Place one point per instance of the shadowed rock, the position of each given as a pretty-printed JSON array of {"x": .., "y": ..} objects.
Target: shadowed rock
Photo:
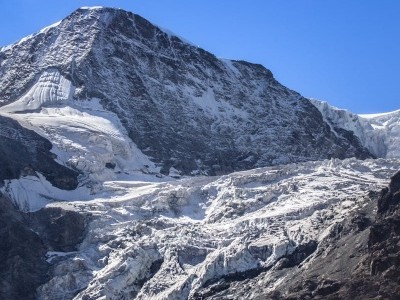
[{"x": 25, "y": 239}]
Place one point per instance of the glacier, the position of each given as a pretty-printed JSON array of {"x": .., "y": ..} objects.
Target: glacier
[{"x": 171, "y": 240}]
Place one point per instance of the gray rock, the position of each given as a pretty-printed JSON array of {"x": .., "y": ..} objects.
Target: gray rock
[
  {"x": 23, "y": 265},
  {"x": 60, "y": 230},
  {"x": 24, "y": 240}
]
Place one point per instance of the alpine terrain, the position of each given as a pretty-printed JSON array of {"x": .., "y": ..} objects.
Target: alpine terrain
[{"x": 136, "y": 165}]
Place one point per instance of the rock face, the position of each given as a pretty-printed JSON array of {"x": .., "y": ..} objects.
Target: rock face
[
  {"x": 22, "y": 260},
  {"x": 59, "y": 230},
  {"x": 384, "y": 241},
  {"x": 182, "y": 107},
  {"x": 25, "y": 240}
]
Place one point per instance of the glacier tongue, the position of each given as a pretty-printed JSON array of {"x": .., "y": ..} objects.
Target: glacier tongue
[{"x": 170, "y": 240}]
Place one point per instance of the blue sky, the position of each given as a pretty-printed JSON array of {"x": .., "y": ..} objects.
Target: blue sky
[{"x": 346, "y": 52}]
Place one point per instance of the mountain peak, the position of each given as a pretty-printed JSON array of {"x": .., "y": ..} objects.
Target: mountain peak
[{"x": 184, "y": 108}]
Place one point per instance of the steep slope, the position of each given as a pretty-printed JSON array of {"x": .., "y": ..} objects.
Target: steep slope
[
  {"x": 183, "y": 108},
  {"x": 380, "y": 133},
  {"x": 108, "y": 96}
]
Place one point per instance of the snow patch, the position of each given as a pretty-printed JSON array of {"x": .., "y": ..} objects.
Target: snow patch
[
  {"x": 31, "y": 193},
  {"x": 373, "y": 116},
  {"x": 47, "y": 28},
  {"x": 230, "y": 66},
  {"x": 171, "y": 34}
]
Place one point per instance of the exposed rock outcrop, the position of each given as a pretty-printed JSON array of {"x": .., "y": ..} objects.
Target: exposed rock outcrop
[
  {"x": 25, "y": 240},
  {"x": 22, "y": 256}
]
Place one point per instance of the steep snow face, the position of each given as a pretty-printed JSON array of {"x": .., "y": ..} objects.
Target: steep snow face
[
  {"x": 182, "y": 107},
  {"x": 171, "y": 240},
  {"x": 380, "y": 133}
]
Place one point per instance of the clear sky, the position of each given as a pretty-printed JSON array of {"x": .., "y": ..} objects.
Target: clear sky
[{"x": 346, "y": 52}]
